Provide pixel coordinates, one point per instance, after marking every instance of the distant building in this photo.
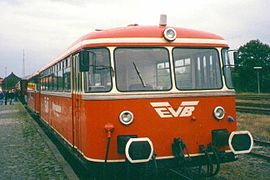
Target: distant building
(10, 81)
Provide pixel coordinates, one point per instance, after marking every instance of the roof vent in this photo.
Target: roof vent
(163, 20)
(133, 25)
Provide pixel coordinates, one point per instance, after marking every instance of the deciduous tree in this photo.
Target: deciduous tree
(253, 54)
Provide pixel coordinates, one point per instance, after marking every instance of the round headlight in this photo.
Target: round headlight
(126, 117)
(219, 112)
(169, 34)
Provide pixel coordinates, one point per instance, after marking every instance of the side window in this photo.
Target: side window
(46, 83)
(227, 68)
(54, 74)
(98, 78)
(50, 80)
(66, 75)
(60, 76)
(43, 84)
(42, 87)
(37, 81)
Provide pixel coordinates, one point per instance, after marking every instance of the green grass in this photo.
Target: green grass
(258, 125)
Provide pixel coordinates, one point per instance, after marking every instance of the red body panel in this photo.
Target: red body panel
(37, 103)
(57, 112)
(31, 100)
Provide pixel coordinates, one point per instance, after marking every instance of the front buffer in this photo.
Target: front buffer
(141, 152)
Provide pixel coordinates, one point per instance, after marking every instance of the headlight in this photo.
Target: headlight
(169, 34)
(126, 117)
(219, 112)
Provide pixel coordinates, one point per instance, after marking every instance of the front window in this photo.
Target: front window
(142, 69)
(197, 69)
(98, 78)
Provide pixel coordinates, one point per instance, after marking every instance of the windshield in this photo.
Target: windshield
(197, 69)
(142, 69)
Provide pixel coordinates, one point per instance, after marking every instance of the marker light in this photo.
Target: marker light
(219, 112)
(126, 117)
(169, 34)
(230, 119)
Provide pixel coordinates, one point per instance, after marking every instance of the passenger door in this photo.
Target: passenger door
(76, 96)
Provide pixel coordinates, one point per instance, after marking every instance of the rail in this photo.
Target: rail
(254, 110)
(253, 97)
(264, 146)
(262, 143)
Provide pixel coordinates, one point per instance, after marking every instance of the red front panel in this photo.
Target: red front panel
(194, 129)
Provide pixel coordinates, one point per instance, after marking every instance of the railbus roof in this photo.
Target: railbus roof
(141, 36)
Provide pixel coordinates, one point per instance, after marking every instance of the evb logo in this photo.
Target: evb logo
(165, 110)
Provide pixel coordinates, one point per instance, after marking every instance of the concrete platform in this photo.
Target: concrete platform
(25, 151)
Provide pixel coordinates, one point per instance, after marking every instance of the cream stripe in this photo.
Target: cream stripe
(137, 40)
(158, 158)
(190, 103)
(143, 40)
(159, 104)
(152, 40)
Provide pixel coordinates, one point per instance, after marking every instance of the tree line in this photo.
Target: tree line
(252, 64)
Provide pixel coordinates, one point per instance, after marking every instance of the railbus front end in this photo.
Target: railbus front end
(140, 95)
(169, 104)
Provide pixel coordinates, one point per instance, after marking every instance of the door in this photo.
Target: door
(76, 96)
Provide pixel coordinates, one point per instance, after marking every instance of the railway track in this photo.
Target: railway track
(255, 110)
(253, 103)
(254, 97)
(261, 150)
(262, 143)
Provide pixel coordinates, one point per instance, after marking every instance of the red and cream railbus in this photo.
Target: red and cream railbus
(144, 94)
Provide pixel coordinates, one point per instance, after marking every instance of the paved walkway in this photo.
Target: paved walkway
(24, 151)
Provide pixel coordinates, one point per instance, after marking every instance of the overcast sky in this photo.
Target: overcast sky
(44, 28)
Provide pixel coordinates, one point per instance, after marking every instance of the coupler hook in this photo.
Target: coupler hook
(210, 165)
(109, 128)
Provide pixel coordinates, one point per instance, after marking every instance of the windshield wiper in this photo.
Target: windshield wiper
(139, 74)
